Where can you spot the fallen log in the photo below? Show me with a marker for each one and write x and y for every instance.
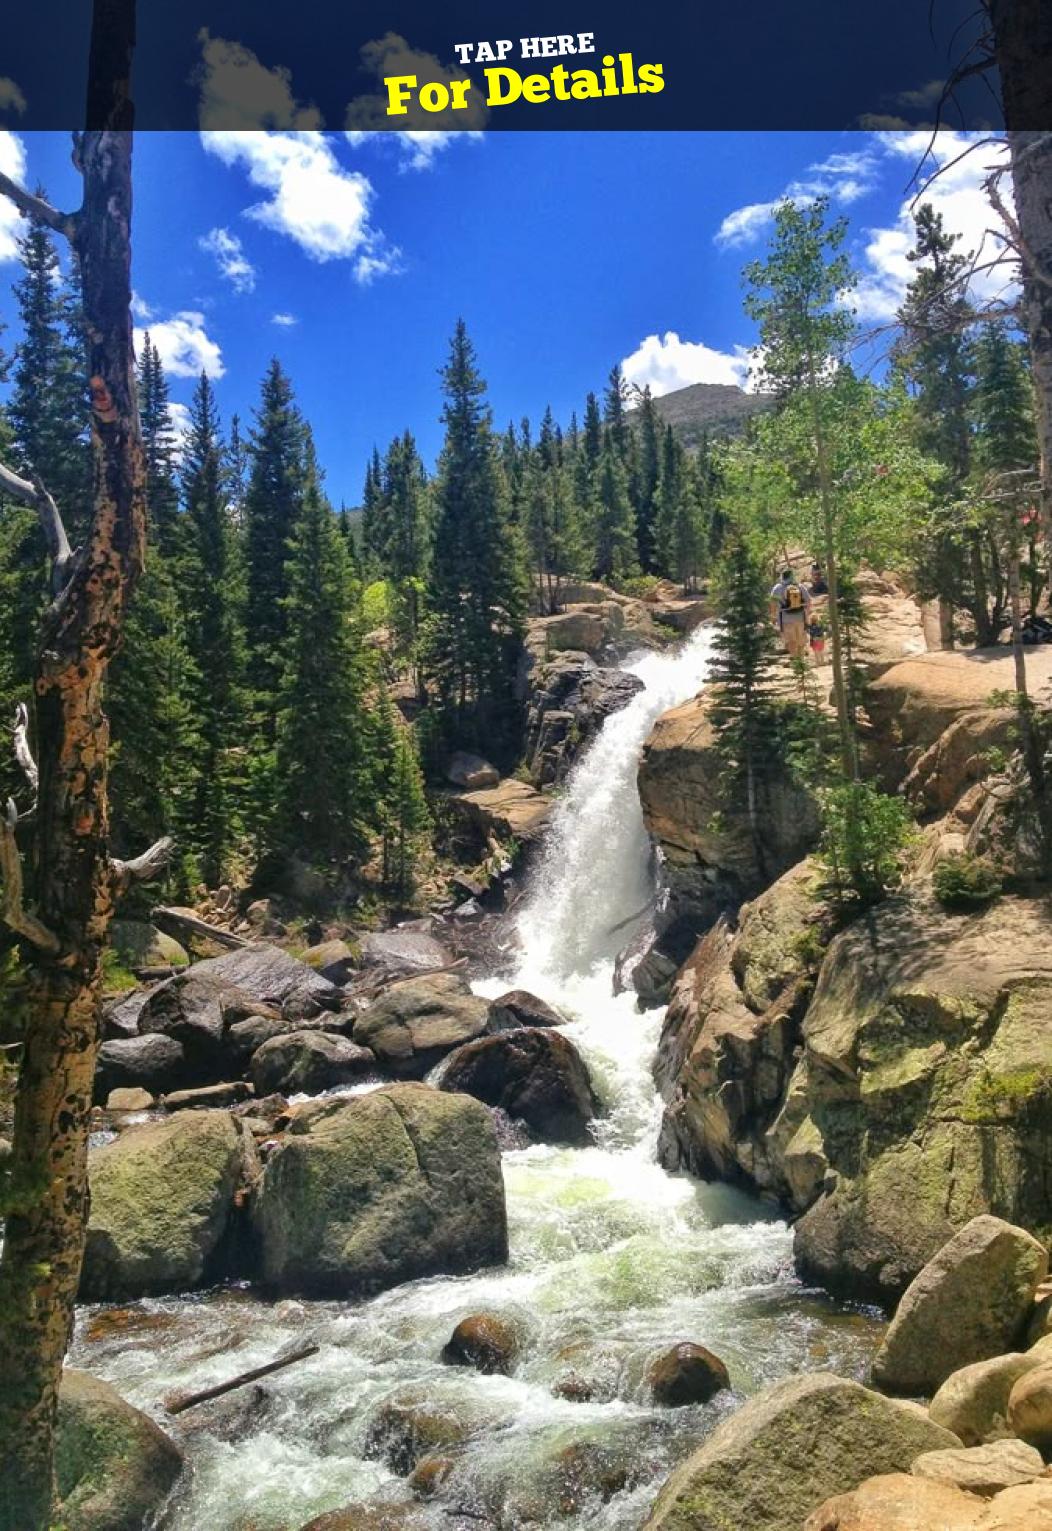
(178, 1403)
(181, 923)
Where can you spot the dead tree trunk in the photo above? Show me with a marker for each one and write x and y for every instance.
(70, 872)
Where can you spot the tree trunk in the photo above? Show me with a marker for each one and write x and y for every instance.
(1032, 178)
(845, 722)
(74, 880)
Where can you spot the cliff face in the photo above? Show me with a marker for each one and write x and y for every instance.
(892, 1081)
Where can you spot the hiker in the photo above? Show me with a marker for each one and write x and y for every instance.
(817, 634)
(818, 580)
(790, 607)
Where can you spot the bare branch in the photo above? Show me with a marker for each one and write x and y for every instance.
(23, 754)
(143, 868)
(35, 207)
(1030, 261)
(33, 492)
(12, 911)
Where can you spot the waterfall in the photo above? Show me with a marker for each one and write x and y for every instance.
(596, 870)
(612, 1260)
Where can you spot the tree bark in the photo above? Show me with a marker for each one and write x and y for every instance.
(1031, 154)
(47, 1197)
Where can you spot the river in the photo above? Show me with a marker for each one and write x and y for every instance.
(612, 1260)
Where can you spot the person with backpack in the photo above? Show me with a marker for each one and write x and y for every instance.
(791, 609)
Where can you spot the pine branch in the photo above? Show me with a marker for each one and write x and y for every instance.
(33, 492)
(35, 207)
(12, 910)
(144, 868)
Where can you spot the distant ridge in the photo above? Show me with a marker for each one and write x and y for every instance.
(716, 409)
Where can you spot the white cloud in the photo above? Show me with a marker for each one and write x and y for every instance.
(13, 164)
(667, 363)
(237, 91)
(842, 177)
(180, 414)
(231, 259)
(417, 147)
(286, 321)
(185, 349)
(957, 193)
(312, 199)
(140, 308)
(11, 97)
(391, 55)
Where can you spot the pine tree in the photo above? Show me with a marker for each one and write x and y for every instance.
(374, 519)
(158, 443)
(743, 712)
(552, 530)
(213, 598)
(478, 584)
(403, 814)
(235, 471)
(614, 414)
(273, 499)
(48, 409)
(407, 545)
(320, 768)
(648, 483)
(615, 532)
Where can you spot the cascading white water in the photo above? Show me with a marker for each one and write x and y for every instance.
(611, 1261)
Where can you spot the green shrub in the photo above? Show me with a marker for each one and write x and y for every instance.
(865, 834)
(964, 881)
(376, 604)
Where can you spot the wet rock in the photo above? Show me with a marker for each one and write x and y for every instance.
(126, 1100)
(686, 1374)
(973, 1402)
(230, 1093)
(984, 1470)
(536, 1076)
(153, 1063)
(430, 1473)
(307, 1062)
(113, 1466)
(403, 951)
(416, 1023)
(232, 1417)
(520, 1008)
(405, 1430)
(471, 771)
(109, 1323)
(1030, 1408)
(788, 1448)
(487, 1341)
(334, 960)
(370, 1516)
(570, 699)
(140, 946)
(366, 1192)
(969, 1303)
(899, 1502)
(162, 1198)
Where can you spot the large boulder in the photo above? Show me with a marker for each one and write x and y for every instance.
(162, 1200)
(926, 1083)
(709, 857)
(535, 1075)
(197, 1006)
(366, 1192)
(114, 1467)
(520, 1008)
(155, 1063)
(730, 1040)
(984, 1470)
(900, 1502)
(307, 1062)
(471, 771)
(512, 810)
(1030, 1408)
(766, 1467)
(973, 1402)
(334, 960)
(141, 946)
(570, 699)
(971, 1301)
(404, 950)
(416, 1023)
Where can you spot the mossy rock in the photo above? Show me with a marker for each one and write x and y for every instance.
(113, 1466)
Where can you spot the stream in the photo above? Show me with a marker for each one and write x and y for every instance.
(612, 1261)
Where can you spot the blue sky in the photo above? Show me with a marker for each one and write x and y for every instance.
(564, 252)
